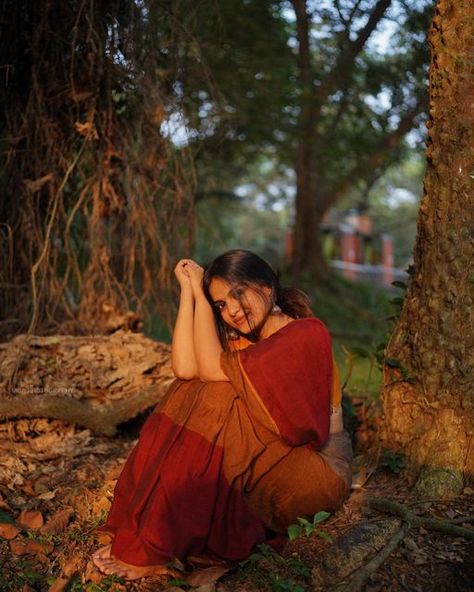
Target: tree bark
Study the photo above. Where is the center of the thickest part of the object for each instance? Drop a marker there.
(429, 377)
(308, 251)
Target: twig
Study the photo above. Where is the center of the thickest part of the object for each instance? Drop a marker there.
(386, 505)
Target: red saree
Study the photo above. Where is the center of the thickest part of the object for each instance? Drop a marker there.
(220, 464)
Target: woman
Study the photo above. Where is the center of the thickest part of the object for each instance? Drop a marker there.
(241, 445)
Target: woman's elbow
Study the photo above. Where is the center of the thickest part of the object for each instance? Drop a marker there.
(212, 375)
(184, 373)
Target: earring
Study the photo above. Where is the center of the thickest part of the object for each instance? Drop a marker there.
(276, 309)
(232, 334)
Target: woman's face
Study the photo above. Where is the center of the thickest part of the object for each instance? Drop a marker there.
(241, 307)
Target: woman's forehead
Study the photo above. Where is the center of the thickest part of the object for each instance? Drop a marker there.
(219, 288)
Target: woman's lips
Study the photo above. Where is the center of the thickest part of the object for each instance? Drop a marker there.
(239, 321)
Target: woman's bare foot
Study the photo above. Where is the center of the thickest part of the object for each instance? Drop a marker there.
(101, 555)
(110, 565)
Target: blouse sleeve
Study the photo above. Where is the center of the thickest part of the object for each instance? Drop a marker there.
(291, 372)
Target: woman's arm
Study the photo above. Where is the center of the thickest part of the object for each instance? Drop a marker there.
(207, 346)
(183, 359)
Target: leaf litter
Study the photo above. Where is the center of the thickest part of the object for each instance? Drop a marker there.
(56, 486)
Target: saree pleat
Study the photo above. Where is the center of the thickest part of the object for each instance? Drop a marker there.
(213, 471)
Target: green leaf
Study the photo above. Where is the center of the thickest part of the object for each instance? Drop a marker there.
(399, 284)
(303, 521)
(179, 582)
(396, 300)
(320, 517)
(5, 518)
(393, 362)
(308, 529)
(325, 535)
(294, 531)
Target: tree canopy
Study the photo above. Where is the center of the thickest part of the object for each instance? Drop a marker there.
(118, 118)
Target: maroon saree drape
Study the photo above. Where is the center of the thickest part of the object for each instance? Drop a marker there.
(219, 464)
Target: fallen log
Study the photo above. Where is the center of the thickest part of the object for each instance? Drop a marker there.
(93, 381)
(350, 552)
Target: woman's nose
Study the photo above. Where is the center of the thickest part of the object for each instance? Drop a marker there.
(233, 308)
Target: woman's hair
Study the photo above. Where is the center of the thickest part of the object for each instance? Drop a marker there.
(241, 268)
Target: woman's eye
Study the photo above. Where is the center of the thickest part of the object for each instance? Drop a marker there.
(219, 305)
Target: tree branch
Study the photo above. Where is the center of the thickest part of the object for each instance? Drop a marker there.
(347, 58)
(372, 166)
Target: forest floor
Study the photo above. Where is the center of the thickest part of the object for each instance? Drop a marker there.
(56, 485)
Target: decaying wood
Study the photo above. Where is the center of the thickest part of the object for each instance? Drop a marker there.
(351, 551)
(97, 382)
(360, 578)
(348, 563)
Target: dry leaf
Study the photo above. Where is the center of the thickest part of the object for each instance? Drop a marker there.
(30, 520)
(80, 95)
(23, 547)
(210, 587)
(203, 577)
(86, 129)
(59, 585)
(8, 531)
(47, 495)
(74, 564)
(3, 503)
(57, 522)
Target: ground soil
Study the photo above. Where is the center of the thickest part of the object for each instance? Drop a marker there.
(56, 485)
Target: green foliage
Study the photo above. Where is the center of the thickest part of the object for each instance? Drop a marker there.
(305, 527)
(179, 583)
(25, 575)
(107, 584)
(393, 461)
(279, 584)
(6, 518)
(270, 571)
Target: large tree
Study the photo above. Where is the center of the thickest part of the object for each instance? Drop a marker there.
(93, 196)
(429, 373)
(308, 94)
(346, 137)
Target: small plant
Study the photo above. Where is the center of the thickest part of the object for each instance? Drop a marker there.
(305, 527)
(393, 461)
(179, 583)
(282, 585)
(107, 584)
(268, 570)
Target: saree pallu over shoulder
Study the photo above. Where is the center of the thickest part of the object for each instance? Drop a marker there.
(291, 375)
(219, 464)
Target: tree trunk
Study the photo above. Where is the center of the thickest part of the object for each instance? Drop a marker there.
(429, 378)
(310, 206)
(308, 255)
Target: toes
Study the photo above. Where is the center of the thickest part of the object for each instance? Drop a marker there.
(107, 566)
(102, 552)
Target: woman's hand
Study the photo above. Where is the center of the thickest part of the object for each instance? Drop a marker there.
(189, 275)
(196, 273)
(181, 272)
